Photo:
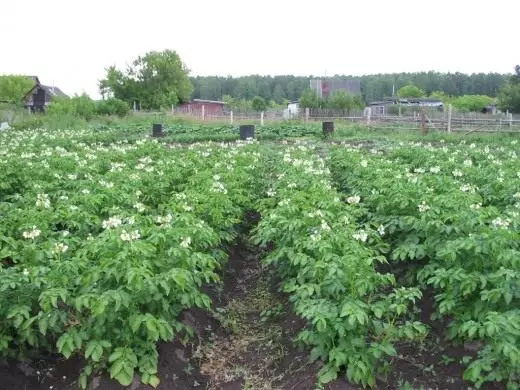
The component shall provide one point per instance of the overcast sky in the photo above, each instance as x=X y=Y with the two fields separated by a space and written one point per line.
x=69 y=43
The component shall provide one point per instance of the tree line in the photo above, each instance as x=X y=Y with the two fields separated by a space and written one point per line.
x=374 y=87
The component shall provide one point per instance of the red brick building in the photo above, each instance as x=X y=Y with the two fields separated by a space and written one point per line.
x=211 y=107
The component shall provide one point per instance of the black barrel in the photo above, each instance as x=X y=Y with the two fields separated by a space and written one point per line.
x=247 y=131
x=157 y=130
x=328 y=128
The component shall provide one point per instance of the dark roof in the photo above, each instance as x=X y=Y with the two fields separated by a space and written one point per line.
x=53 y=91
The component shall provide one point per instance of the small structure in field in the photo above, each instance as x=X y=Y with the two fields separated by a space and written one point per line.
x=211 y=107
x=40 y=96
x=292 y=110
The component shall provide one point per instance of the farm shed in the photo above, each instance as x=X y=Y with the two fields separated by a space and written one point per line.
x=211 y=107
x=41 y=95
x=292 y=110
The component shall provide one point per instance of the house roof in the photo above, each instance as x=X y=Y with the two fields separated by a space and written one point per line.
x=51 y=90
x=54 y=91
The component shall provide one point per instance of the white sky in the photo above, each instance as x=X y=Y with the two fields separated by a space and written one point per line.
x=69 y=43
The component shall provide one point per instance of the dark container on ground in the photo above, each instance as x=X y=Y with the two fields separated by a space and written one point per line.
x=328 y=128
x=157 y=130
x=247 y=131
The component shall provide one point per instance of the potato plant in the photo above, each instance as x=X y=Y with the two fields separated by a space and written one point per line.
x=453 y=213
x=327 y=263
x=108 y=242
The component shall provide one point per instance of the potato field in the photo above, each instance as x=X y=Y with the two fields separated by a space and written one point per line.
x=287 y=262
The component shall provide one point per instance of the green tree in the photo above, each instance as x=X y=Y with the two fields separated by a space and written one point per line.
x=278 y=94
x=309 y=99
x=509 y=95
x=259 y=104
x=155 y=80
x=441 y=96
x=410 y=91
x=229 y=101
x=341 y=101
x=14 y=87
x=374 y=87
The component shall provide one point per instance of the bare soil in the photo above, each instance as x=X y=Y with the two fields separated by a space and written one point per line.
x=247 y=343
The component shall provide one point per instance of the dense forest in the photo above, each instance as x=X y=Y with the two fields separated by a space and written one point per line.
x=374 y=87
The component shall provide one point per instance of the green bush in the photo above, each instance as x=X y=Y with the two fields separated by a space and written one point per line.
x=78 y=106
x=471 y=103
x=112 y=106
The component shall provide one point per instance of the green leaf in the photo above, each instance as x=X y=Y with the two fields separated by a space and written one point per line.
x=378 y=312
x=135 y=322
x=65 y=345
x=116 y=355
x=43 y=324
x=94 y=350
x=82 y=382
x=154 y=381
x=328 y=375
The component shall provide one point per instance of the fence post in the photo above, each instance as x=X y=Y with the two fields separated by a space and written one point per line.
x=231 y=116
x=306 y=114
x=510 y=119
x=369 y=114
x=450 y=111
x=399 y=106
x=202 y=112
x=262 y=118
x=172 y=110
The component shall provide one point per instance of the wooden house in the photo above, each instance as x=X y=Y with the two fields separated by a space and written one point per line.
x=39 y=96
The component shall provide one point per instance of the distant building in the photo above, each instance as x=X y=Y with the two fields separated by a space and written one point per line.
x=326 y=87
x=211 y=107
x=40 y=96
x=381 y=107
x=292 y=110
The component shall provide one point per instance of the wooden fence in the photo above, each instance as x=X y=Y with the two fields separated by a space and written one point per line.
x=432 y=119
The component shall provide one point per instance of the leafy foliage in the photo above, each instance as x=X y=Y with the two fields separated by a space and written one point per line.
x=474 y=103
x=410 y=91
x=81 y=106
x=14 y=87
x=344 y=101
x=259 y=104
x=509 y=95
x=155 y=80
x=112 y=106
x=102 y=254
x=453 y=209
x=328 y=265
x=374 y=87
x=309 y=99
